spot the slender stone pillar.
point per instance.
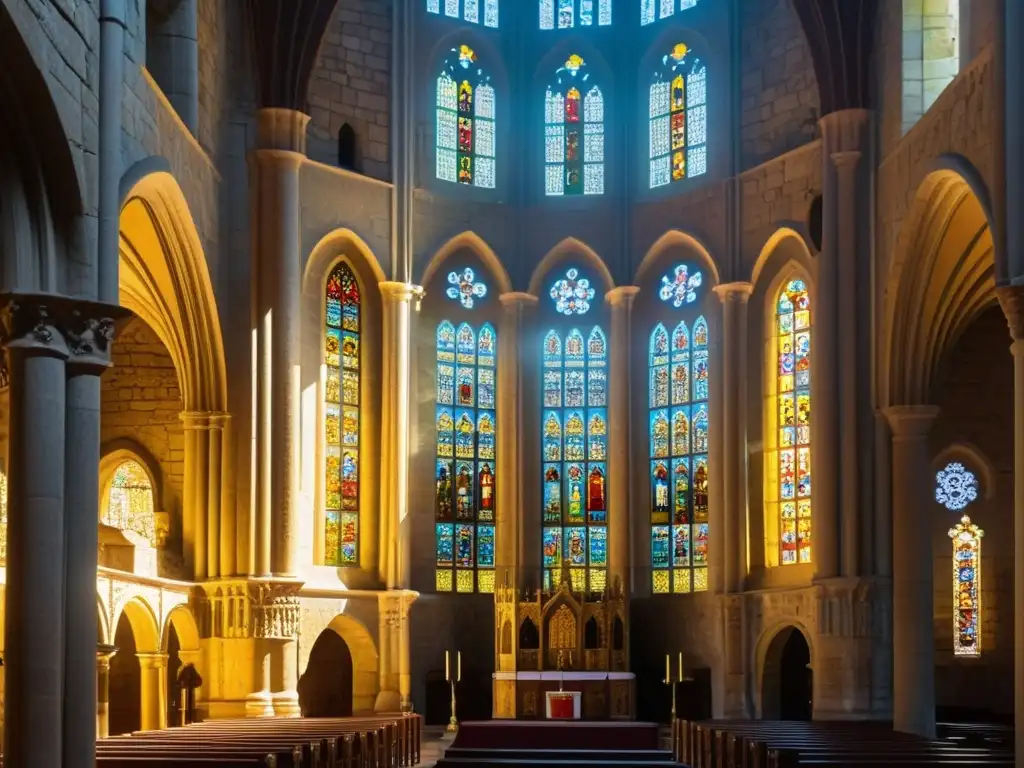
(621, 302)
(104, 653)
(197, 466)
(260, 703)
(393, 661)
(1011, 299)
(509, 515)
(173, 59)
(153, 711)
(88, 330)
(912, 582)
(284, 676)
(277, 271)
(33, 597)
(734, 297)
(395, 427)
(841, 351)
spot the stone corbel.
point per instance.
(276, 611)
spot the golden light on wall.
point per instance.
(966, 538)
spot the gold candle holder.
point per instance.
(453, 721)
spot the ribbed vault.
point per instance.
(942, 278)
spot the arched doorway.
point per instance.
(326, 687)
(787, 687)
(125, 681)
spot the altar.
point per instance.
(562, 705)
(548, 694)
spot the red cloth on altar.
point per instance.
(561, 707)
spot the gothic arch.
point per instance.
(165, 281)
(784, 240)
(570, 249)
(676, 238)
(365, 681)
(942, 276)
(144, 623)
(472, 242)
(975, 459)
(769, 647)
(185, 628)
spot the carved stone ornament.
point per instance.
(28, 320)
(39, 320)
(87, 335)
(1011, 300)
(276, 611)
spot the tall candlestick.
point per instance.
(458, 672)
(447, 665)
(668, 669)
(680, 666)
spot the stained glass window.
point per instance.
(464, 474)
(678, 118)
(467, 10)
(129, 505)
(465, 121)
(574, 452)
(678, 428)
(566, 14)
(966, 538)
(655, 10)
(464, 287)
(342, 359)
(793, 382)
(955, 486)
(573, 132)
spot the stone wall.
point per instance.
(351, 84)
(975, 393)
(141, 403)
(779, 109)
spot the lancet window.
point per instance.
(566, 14)
(464, 494)
(573, 132)
(656, 10)
(129, 503)
(678, 439)
(966, 538)
(343, 363)
(473, 11)
(678, 118)
(465, 141)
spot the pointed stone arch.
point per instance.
(472, 242)
(570, 249)
(675, 238)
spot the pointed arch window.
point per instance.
(966, 538)
(343, 363)
(129, 504)
(573, 132)
(465, 121)
(678, 118)
(464, 493)
(473, 11)
(566, 14)
(678, 431)
(574, 453)
(793, 394)
(655, 10)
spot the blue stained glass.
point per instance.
(574, 389)
(485, 546)
(572, 294)
(700, 544)
(597, 387)
(598, 546)
(464, 535)
(597, 346)
(597, 435)
(658, 348)
(485, 387)
(575, 493)
(700, 429)
(443, 489)
(446, 341)
(661, 491)
(552, 493)
(333, 313)
(552, 389)
(680, 431)
(445, 545)
(552, 547)
(680, 545)
(660, 546)
(574, 437)
(574, 352)
(485, 435)
(552, 437)
(464, 491)
(576, 545)
(681, 490)
(464, 430)
(659, 434)
(487, 344)
(700, 375)
(445, 424)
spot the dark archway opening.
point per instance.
(325, 689)
(125, 682)
(787, 686)
(347, 148)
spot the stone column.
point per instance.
(33, 598)
(277, 271)
(173, 58)
(912, 582)
(734, 297)
(619, 364)
(104, 653)
(394, 658)
(88, 330)
(276, 613)
(509, 517)
(197, 464)
(1011, 299)
(839, 344)
(395, 427)
(153, 707)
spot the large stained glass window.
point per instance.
(793, 381)
(465, 121)
(573, 132)
(464, 473)
(678, 430)
(129, 505)
(566, 14)
(342, 359)
(574, 450)
(678, 118)
(473, 11)
(966, 538)
(655, 10)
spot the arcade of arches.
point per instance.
(311, 439)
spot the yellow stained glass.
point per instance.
(463, 581)
(579, 579)
(443, 581)
(598, 579)
(485, 581)
(700, 579)
(681, 581)
(660, 582)
(130, 502)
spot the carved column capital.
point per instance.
(737, 291)
(401, 293)
(910, 421)
(513, 300)
(622, 296)
(845, 130)
(276, 609)
(30, 323)
(1011, 300)
(281, 129)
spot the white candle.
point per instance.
(447, 666)
(668, 668)
(458, 672)
(680, 666)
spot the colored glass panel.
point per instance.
(678, 437)
(677, 114)
(566, 14)
(343, 363)
(467, 10)
(466, 449)
(574, 451)
(793, 414)
(465, 128)
(966, 538)
(129, 506)
(573, 130)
